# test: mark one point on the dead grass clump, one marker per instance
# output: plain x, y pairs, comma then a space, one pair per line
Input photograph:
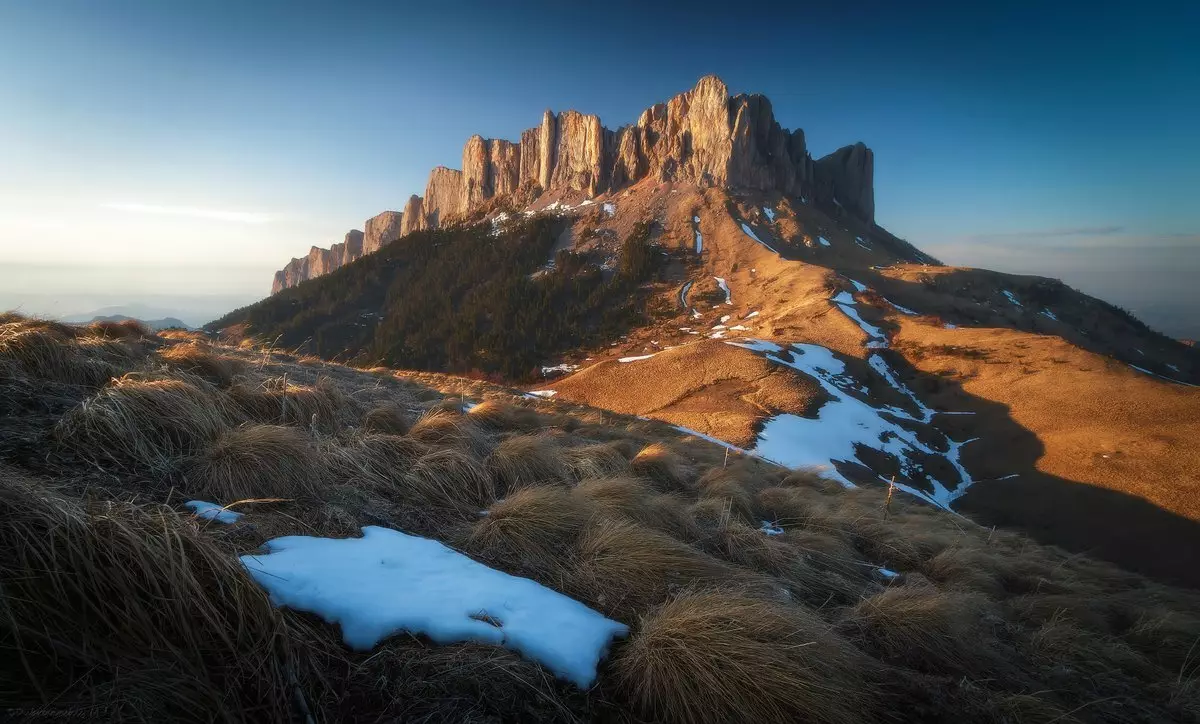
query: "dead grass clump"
624, 568
726, 485
663, 467
499, 415
634, 500
941, 632
390, 419
202, 361
533, 529
379, 458
439, 428
123, 613
183, 335
812, 479
450, 478
276, 401
595, 461
969, 569
527, 460
122, 329
44, 353
1059, 641
259, 461
783, 506
722, 657
150, 423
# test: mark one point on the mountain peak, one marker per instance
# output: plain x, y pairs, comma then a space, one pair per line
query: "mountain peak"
702, 136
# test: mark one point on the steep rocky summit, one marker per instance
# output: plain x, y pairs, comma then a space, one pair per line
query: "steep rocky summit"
704, 137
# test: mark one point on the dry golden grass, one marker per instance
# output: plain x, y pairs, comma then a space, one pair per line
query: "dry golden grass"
123, 329
322, 406
926, 629
533, 529
633, 499
449, 477
447, 428
203, 361
526, 460
497, 415
599, 460
390, 419
48, 353
624, 568
728, 623
662, 466
717, 656
258, 461
145, 422
380, 459
118, 613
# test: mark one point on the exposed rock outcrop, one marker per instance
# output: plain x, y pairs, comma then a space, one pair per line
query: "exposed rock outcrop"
702, 136
382, 229
414, 215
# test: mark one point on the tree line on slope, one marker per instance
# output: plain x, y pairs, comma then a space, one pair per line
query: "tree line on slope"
466, 299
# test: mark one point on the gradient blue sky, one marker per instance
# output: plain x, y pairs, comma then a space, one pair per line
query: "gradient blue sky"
1028, 137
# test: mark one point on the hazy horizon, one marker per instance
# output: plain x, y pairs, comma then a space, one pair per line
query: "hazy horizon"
161, 152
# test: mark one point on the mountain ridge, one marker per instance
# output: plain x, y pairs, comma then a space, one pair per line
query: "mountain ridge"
703, 136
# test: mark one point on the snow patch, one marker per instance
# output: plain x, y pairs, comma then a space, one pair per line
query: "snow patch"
739, 328
858, 286
211, 511
1048, 313
823, 241
848, 422
726, 318
751, 315
770, 213
770, 528
547, 394
725, 288
386, 582
699, 238
902, 310
862, 242
610, 209
637, 358
750, 233
564, 368
845, 302
1012, 298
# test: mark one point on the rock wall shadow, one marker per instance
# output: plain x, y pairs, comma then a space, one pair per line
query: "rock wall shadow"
1082, 518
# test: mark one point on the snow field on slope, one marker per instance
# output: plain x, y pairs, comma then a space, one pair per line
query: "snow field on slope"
386, 582
847, 422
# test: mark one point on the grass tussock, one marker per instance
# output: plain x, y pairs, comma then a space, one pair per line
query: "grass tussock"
322, 407
926, 629
146, 423
726, 485
526, 460
450, 478
444, 428
122, 329
203, 361
599, 460
663, 467
533, 529
632, 499
48, 353
716, 656
126, 613
389, 419
380, 459
259, 461
624, 568
497, 415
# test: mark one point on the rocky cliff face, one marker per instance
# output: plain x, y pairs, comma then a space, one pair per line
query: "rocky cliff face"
703, 137
381, 229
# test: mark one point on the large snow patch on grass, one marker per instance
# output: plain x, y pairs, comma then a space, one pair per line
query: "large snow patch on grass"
387, 582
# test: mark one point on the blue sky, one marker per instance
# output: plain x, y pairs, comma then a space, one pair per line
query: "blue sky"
1031, 137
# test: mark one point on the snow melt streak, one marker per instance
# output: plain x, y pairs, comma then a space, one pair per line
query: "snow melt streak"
388, 581
848, 422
